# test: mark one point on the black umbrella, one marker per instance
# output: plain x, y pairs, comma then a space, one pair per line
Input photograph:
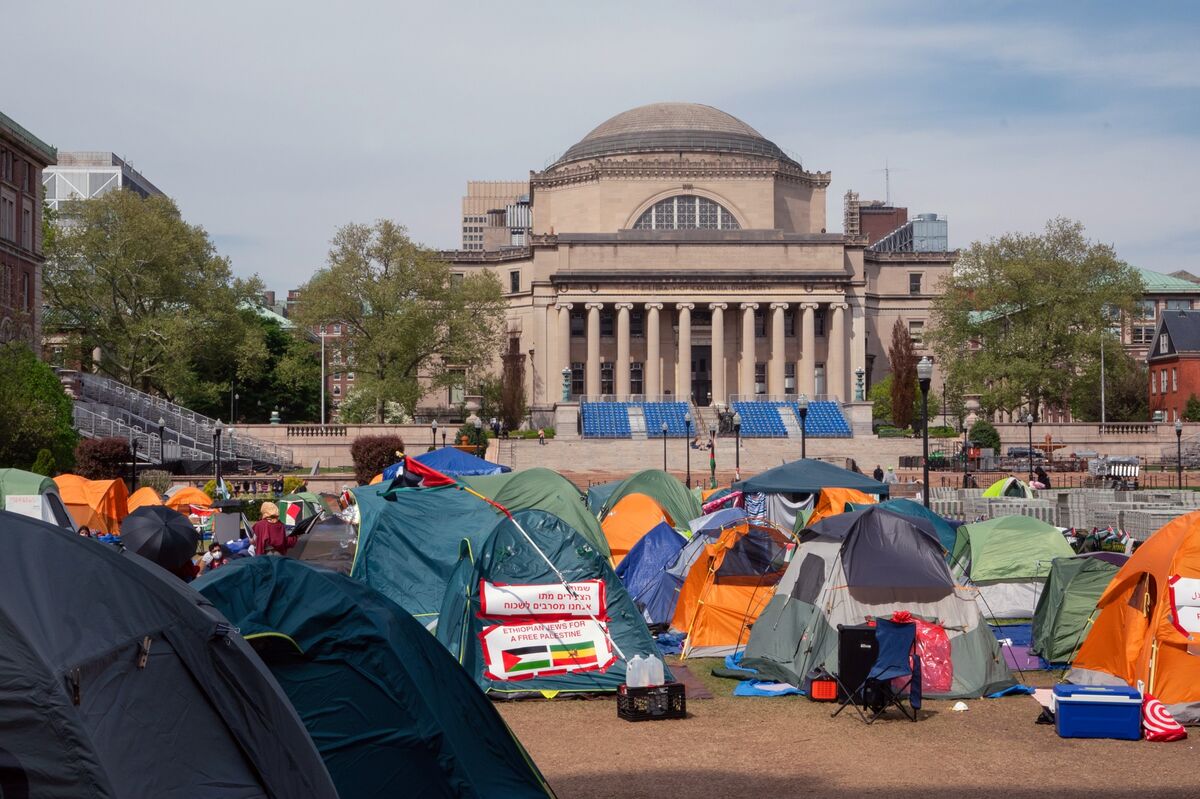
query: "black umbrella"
160, 534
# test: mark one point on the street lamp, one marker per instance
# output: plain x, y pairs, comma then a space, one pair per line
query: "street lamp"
433, 430
322, 375
687, 424
162, 440
924, 375
802, 404
737, 444
1029, 426
966, 461
216, 437
664, 437
1179, 453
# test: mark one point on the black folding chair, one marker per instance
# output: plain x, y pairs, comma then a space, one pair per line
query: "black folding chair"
896, 658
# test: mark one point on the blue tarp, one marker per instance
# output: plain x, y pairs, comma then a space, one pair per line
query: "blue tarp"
642, 569
456, 463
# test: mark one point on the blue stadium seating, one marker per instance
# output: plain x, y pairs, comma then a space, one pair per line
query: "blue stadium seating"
670, 412
761, 419
825, 420
611, 419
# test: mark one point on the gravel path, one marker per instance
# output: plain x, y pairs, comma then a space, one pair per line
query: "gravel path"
788, 746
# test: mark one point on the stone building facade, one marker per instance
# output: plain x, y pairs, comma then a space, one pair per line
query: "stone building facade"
677, 253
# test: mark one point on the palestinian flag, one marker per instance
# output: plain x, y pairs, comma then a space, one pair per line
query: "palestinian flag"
293, 513
525, 658
413, 474
583, 654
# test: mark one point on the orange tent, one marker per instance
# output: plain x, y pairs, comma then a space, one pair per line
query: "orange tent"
142, 497
728, 585
629, 520
834, 501
1139, 633
98, 504
187, 496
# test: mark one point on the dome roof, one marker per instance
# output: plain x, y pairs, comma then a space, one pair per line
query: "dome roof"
673, 127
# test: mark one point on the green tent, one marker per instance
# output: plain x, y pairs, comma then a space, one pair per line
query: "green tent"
598, 495
1009, 487
664, 489
1064, 610
1007, 559
408, 542
33, 495
384, 703
509, 658
546, 490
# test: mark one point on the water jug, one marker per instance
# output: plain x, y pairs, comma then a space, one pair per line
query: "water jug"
657, 672
636, 672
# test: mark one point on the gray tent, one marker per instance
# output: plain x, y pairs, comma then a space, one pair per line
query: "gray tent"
859, 566
117, 680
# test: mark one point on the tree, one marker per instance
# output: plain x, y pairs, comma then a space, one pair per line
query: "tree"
409, 323
984, 436
129, 276
904, 371
35, 412
512, 395
103, 458
1125, 382
881, 395
373, 454
1191, 411
44, 464
1021, 316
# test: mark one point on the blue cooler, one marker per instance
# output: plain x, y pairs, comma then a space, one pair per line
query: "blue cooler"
1098, 711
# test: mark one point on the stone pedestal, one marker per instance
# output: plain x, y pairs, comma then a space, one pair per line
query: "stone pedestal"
566, 421
859, 415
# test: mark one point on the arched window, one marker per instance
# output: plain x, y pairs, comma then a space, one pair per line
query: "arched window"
686, 212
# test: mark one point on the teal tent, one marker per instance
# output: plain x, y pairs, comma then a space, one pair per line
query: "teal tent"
389, 710
408, 542
598, 494
808, 476
510, 658
679, 503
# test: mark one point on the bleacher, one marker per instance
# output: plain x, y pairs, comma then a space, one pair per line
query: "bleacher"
671, 413
761, 419
610, 419
773, 419
825, 420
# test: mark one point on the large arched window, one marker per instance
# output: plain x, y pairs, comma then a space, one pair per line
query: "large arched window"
686, 211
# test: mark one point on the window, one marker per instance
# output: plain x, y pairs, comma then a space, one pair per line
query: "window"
1179, 305
686, 212
1153, 384
337, 389
26, 225
789, 322
577, 379
1164, 343
606, 322
578, 323
26, 293
337, 376
322, 327
1174, 379
514, 281
1146, 310
636, 384
337, 356
1162, 382
350, 376
8, 216
337, 330
914, 283
819, 379
916, 331
760, 378
760, 323
606, 378
819, 322
637, 325
458, 390
1142, 335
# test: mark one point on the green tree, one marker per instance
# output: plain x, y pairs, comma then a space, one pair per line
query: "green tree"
409, 324
1191, 411
35, 412
904, 371
1125, 384
512, 395
1021, 316
131, 277
881, 395
983, 435
44, 463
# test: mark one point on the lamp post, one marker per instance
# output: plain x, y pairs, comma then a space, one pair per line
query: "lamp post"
1029, 427
687, 441
1179, 453
216, 437
924, 376
433, 430
133, 463
802, 404
737, 445
162, 440
664, 438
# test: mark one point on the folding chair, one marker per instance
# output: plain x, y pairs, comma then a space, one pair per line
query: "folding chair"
896, 658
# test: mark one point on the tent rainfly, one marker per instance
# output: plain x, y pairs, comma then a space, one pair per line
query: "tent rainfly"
808, 476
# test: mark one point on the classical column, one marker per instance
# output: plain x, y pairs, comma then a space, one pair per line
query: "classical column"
622, 381
652, 371
564, 344
592, 367
746, 375
835, 365
683, 363
719, 394
776, 367
806, 366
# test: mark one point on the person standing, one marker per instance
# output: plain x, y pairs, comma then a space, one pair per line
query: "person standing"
890, 478
878, 473
270, 536
1042, 477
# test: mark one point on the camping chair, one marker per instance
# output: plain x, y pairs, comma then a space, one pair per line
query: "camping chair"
896, 659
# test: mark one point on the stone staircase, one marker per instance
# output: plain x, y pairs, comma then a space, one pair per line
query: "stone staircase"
637, 421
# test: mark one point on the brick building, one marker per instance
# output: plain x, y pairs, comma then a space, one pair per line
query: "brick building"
1174, 363
23, 156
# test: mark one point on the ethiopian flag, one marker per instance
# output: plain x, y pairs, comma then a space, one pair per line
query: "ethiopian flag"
581, 654
525, 658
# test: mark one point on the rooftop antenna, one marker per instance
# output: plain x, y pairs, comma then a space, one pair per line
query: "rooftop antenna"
887, 181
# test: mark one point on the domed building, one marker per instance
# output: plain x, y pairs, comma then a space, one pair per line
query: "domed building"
674, 253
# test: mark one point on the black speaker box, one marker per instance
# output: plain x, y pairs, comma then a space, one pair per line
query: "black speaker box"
857, 650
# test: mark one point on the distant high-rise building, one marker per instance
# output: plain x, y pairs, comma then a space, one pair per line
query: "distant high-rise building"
84, 175
23, 156
495, 214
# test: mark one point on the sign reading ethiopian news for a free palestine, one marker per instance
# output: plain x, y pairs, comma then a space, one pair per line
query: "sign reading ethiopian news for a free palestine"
523, 651
584, 599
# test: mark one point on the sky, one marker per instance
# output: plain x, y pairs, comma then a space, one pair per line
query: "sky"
271, 123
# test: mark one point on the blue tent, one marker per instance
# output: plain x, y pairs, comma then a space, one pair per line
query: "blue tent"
642, 569
456, 463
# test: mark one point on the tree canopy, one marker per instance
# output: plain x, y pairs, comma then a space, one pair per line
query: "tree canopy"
35, 413
1020, 318
1125, 382
407, 322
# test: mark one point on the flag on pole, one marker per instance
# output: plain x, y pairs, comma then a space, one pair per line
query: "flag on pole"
415, 474
712, 463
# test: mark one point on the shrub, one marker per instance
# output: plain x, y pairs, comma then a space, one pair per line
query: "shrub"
945, 431
102, 458
35, 411
984, 435
293, 484
157, 479
210, 488
373, 454
44, 464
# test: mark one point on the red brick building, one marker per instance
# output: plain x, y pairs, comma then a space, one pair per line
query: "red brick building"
23, 156
1174, 363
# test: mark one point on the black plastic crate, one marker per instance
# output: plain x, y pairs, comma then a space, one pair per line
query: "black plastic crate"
666, 701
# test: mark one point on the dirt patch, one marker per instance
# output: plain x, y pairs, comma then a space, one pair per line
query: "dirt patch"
787, 746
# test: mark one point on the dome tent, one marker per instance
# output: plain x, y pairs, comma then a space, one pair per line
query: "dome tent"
1007, 559
35, 496
1065, 607
643, 568
633, 517
676, 500
114, 641
385, 704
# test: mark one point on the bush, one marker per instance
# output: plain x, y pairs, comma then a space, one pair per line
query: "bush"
157, 479
103, 458
373, 454
892, 432
945, 431
210, 488
984, 436
44, 464
35, 411
293, 484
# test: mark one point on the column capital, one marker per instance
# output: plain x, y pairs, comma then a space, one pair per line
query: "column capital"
718, 306
654, 306
685, 306
838, 306
564, 306
594, 306
749, 306
777, 306
809, 306
624, 306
